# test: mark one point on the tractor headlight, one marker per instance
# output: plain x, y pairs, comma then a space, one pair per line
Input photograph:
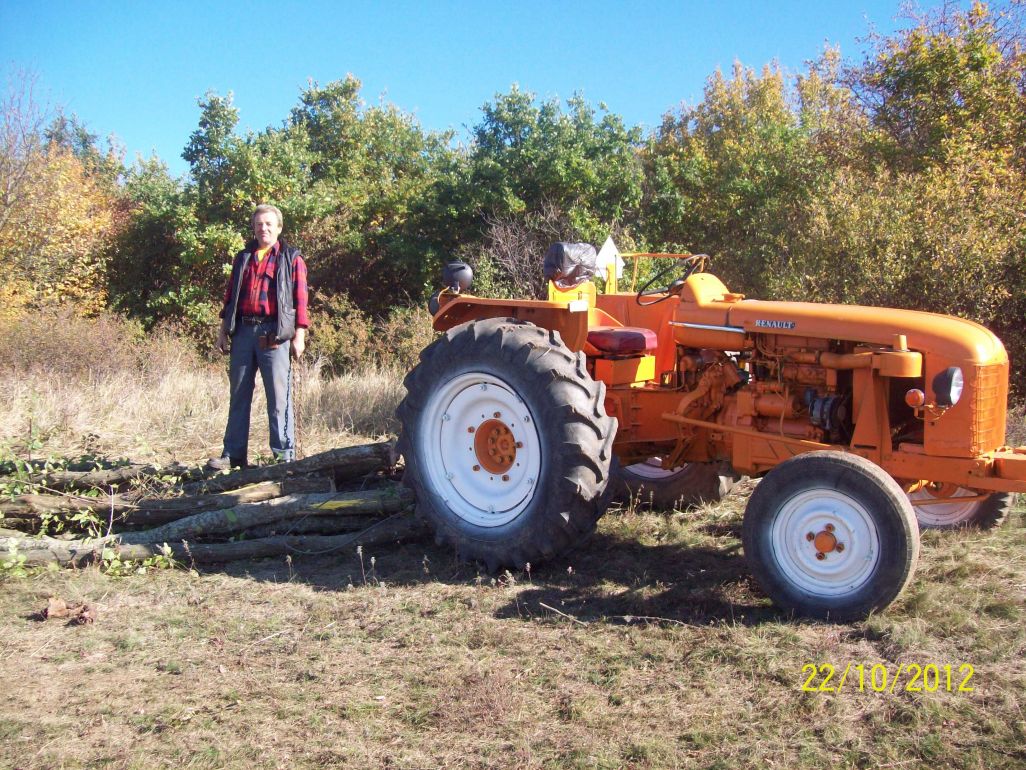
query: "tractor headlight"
947, 386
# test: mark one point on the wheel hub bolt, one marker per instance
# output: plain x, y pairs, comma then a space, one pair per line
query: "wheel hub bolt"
839, 547
810, 537
477, 467
470, 429
820, 555
829, 527
505, 478
497, 415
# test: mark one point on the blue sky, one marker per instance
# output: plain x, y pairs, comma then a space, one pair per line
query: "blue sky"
136, 69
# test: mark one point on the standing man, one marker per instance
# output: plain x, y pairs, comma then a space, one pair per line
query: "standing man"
265, 318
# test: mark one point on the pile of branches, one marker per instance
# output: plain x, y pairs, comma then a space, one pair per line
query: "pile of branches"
332, 500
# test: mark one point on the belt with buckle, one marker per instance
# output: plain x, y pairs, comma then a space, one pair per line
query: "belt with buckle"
256, 320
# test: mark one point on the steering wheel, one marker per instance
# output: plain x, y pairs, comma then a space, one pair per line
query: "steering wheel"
673, 287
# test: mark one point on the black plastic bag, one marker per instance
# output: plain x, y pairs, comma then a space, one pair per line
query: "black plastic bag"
570, 264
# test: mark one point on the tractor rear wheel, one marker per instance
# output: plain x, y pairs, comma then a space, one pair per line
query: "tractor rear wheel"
983, 514
830, 535
691, 484
507, 443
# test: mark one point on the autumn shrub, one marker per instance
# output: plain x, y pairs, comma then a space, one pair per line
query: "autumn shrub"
55, 341
55, 230
399, 338
345, 338
340, 333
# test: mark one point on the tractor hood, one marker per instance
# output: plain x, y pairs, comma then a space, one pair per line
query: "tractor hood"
953, 338
705, 300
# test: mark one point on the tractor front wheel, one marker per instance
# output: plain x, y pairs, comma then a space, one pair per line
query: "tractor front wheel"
506, 441
830, 535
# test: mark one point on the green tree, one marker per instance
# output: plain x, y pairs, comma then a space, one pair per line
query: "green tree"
527, 154
953, 77
732, 175
374, 174
104, 164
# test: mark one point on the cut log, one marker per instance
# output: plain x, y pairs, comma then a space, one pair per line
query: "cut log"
310, 525
9, 468
347, 463
154, 511
21, 523
20, 543
41, 505
395, 529
237, 518
233, 520
151, 512
116, 477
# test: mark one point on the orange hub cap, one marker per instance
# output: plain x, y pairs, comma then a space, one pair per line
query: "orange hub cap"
495, 447
825, 542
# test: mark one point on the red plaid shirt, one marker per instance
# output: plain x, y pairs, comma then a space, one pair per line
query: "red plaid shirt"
257, 296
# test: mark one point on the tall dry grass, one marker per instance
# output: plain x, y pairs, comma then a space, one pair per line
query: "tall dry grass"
101, 387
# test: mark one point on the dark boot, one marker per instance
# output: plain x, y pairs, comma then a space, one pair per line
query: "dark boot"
225, 463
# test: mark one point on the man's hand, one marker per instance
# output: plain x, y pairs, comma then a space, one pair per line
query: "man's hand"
299, 343
222, 340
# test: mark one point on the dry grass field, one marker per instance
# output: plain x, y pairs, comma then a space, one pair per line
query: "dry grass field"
648, 646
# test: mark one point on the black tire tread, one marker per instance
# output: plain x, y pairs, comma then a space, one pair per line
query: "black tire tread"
995, 511
992, 513
575, 497
696, 484
836, 469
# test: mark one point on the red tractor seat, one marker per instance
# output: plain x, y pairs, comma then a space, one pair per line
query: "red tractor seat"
623, 340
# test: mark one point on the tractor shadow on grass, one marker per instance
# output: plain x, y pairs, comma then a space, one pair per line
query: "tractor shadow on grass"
618, 580
609, 578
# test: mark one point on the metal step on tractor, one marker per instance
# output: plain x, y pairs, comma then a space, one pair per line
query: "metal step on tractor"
864, 424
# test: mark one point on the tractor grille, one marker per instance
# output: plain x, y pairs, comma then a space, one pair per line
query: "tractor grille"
989, 408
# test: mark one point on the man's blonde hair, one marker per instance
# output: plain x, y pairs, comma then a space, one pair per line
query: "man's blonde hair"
267, 208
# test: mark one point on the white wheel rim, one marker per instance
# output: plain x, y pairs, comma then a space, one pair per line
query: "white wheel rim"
944, 514
454, 468
652, 470
838, 571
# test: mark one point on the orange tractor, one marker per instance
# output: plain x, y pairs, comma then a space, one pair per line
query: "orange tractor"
865, 424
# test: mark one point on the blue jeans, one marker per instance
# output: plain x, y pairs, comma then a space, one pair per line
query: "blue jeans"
275, 370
